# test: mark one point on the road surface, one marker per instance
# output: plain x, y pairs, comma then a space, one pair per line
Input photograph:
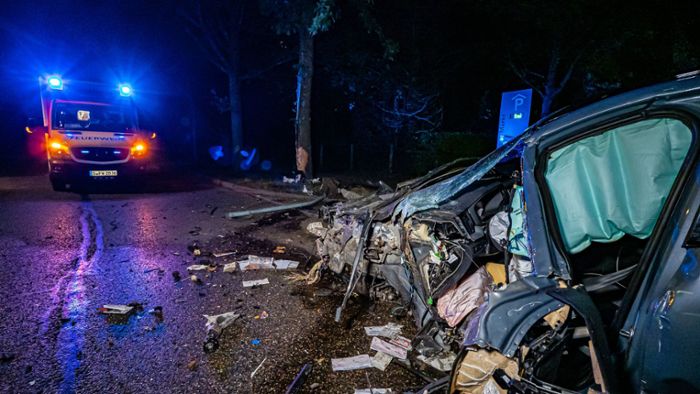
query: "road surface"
64, 255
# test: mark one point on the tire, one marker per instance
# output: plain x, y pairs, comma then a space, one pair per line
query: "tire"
58, 184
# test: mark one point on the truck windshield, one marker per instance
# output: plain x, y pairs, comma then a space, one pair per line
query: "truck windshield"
92, 117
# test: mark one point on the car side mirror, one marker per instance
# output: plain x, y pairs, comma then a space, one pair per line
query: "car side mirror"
35, 125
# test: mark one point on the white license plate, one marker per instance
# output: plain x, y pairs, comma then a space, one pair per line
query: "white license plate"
103, 172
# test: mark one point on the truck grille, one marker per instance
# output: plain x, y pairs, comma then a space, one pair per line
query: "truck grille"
100, 154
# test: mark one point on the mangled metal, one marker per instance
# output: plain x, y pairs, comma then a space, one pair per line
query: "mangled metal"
471, 255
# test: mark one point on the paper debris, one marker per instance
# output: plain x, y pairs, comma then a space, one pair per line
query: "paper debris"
350, 363
389, 348
389, 330
230, 267
197, 267
440, 363
381, 360
251, 283
285, 264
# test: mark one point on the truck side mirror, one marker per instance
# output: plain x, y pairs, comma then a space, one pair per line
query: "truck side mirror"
35, 126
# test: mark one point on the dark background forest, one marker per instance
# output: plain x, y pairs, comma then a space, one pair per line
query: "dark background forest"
363, 86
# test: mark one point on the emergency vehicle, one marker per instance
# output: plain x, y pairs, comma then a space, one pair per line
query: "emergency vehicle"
91, 132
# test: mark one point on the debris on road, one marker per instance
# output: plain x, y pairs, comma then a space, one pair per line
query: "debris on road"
194, 278
373, 391
215, 326
158, 313
262, 263
312, 277
255, 342
391, 348
300, 379
258, 282
192, 365
258, 367
287, 207
197, 267
389, 330
222, 254
113, 309
317, 229
381, 360
230, 267
441, 362
351, 363
160, 270
263, 315
280, 249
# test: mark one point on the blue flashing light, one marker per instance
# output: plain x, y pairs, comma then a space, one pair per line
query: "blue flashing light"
84, 151
116, 152
55, 82
125, 90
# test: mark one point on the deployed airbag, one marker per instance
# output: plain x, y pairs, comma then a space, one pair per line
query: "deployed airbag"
616, 183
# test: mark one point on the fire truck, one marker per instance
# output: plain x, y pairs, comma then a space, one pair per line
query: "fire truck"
91, 132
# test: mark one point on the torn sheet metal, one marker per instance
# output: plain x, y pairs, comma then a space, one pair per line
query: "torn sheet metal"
392, 348
460, 301
389, 330
432, 196
351, 363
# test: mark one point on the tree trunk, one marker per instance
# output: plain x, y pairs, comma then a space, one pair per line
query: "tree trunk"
302, 123
547, 100
234, 94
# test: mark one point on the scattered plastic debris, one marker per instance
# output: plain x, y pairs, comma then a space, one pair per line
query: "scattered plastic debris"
373, 391
389, 330
285, 264
230, 267
391, 348
215, 326
258, 282
197, 267
300, 379
113, 309
222, 254
381, 360
256, 263
351, 363
195, 279
280, 249
255, 342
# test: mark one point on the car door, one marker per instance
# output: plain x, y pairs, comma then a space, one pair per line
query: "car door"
659, 333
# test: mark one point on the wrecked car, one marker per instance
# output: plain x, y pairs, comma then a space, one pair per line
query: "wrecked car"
564, 261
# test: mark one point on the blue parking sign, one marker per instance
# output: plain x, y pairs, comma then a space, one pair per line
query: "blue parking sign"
515, 114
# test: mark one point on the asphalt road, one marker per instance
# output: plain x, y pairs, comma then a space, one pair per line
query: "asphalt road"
64, 255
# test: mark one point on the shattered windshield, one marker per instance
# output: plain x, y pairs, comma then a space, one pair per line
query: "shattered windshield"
92, 117
438, 193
